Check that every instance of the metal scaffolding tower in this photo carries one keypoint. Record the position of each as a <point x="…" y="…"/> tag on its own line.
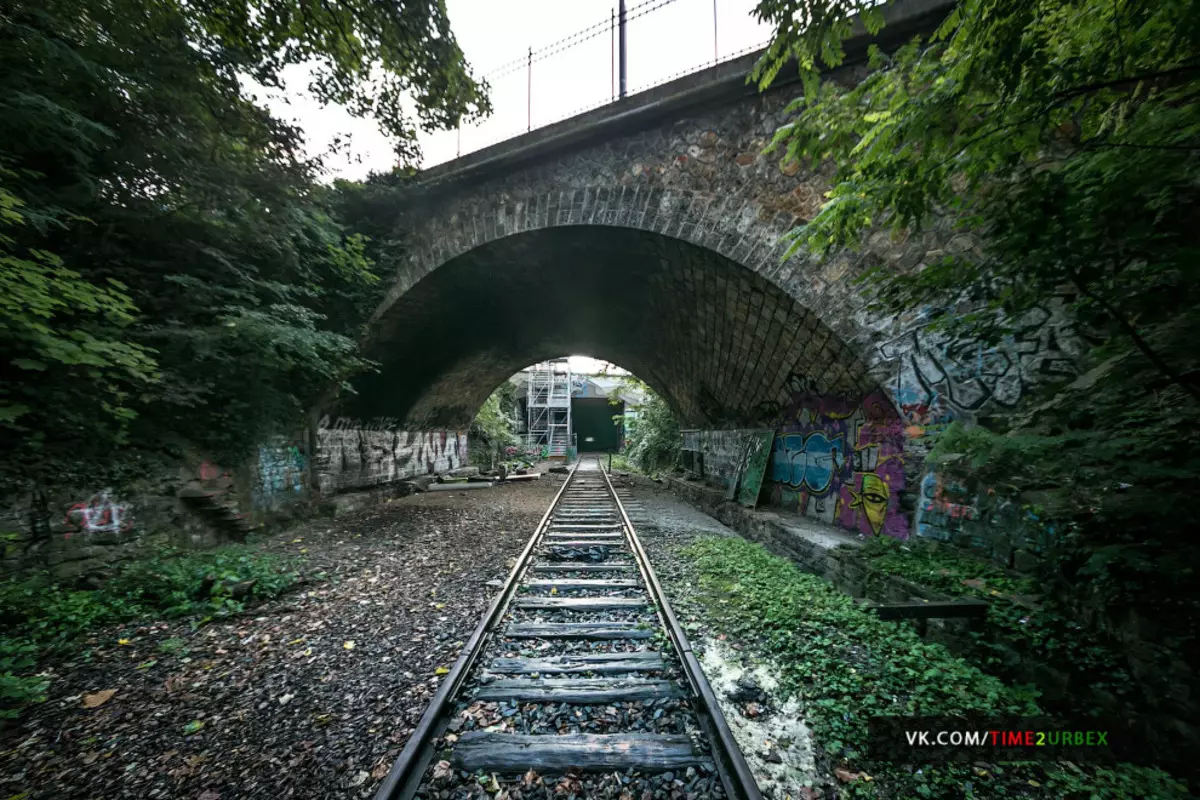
<point x="548" y="407"/>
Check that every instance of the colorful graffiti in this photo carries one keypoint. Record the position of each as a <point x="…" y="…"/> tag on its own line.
<point x="99" y="514"/>
<point x="944" y="507"/>
<point x="841" y="460"/>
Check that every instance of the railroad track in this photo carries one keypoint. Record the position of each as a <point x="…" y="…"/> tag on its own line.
<point x="578" y="681"/>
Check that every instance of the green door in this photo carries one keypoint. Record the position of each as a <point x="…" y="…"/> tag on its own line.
<point x="592" y="419"/>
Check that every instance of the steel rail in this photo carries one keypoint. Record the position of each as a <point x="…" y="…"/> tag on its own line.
<point x="405" y="776"/>
<point x="731" y="764"/>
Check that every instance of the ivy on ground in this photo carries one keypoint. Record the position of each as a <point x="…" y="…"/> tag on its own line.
<point x="41" y="618"/>
<point x="848" y="665"/>
<point x="1019" y="617"/>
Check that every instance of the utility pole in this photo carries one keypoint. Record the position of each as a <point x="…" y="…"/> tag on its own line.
<point x="529" y="92"/>
<point x="624" y="74"/>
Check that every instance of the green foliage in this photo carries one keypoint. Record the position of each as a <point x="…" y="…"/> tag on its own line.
<point x="174" y="277"/>
<point x="1019" y="618"/>
<point x="494" y="429"/>
<point x="1064" y="136"/>
<point x="41" y="618"/>
<point x="653" y="441"/>
<point x="848" y="665"/>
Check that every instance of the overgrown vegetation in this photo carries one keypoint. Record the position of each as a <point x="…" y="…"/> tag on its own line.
<point x="653" y="442"/>
<point x="1020" y="619"/>
<point x="1064" y="135"/>
<point x="493" y="432"/>
<point x="848" y="665"/>
<point x="173" y="277"/>
<point x="41" y="618"/>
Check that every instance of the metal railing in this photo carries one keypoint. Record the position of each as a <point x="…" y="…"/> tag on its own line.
<point x="506" y="91"/>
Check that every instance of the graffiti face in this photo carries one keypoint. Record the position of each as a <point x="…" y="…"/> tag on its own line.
<point x="872" y="499"/>
<point x="807" y="461"/>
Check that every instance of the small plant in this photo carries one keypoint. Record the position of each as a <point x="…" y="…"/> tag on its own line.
<point x="40" y="619"/>
<point x="848" y="665"/>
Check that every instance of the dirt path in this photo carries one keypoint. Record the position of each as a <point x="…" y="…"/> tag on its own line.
<point x="311" y="695"/>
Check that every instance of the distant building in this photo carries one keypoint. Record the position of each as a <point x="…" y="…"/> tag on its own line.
<point x="589" y="425"/>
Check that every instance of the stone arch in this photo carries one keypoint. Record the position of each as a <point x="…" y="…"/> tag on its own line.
<point x="747" y="231"/>
<point x="730" y="346"/>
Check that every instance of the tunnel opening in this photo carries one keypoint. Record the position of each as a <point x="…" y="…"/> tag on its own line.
<point x="730" y="352"/>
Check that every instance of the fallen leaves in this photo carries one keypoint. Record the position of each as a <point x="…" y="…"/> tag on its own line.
<point x="263" y="706"/>
<point x="99" y="698"/>
<point x="442" y="671"/>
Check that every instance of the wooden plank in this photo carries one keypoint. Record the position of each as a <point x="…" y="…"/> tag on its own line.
<point x="578" y="691"/>
<point x="580" y="603"/>
<point x="577" y="543"/>
<point x="590" y="752"/>
<point x="950" y="609"/>
<point x="563" y="584"/>
<point x="583" y="566"/>
<point x="603" y="663"/>
<point x="585" y="526"/>
<point x="578" y="630"/>
<point x="557" y="534"/>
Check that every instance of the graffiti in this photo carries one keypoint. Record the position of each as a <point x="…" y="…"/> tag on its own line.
<point x="280" y="474"/>
<point x="939" y="377"/>
<point x="806" y="461"/>
<point x="872" y="500"/>
<point x="842" y="461"/>
<point x="99" y="515"/>
<point x="355" y="455"/>
<point x="939" y="513"/>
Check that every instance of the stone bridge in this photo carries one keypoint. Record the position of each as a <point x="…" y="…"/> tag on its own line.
<point x="649" y="233"/>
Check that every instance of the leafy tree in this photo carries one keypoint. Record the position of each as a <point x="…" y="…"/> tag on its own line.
<point x="494" y="428"/>
<point x="175" y="279"/>
<point x="654" y="442"/>
<point x="1066" y="134"/>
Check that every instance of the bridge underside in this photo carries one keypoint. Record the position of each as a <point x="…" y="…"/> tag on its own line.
<point x="721" y="344"/>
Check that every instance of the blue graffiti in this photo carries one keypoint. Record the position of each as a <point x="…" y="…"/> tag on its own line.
<point x="807" y="461"/>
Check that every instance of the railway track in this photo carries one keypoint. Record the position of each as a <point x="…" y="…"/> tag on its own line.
<point x="578" y="681"/>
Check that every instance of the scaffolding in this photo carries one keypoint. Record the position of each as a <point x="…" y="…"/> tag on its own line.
<point x="548" y="408"/>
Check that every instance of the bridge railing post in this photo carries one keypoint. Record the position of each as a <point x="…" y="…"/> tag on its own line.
<point x="621" y="36"/>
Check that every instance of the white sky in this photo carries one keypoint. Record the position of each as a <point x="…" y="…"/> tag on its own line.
<point x="676" y="38"/>
<point x="587" y="365"/>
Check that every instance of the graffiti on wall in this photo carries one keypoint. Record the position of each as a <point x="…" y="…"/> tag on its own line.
<point x="99" y="514"/>
<point x="939" y="378"/>
<point x="280" y="475"/>
<point x="841" y="460"/>
<point x="944" y="507"/>
<point x="354" y="454"/>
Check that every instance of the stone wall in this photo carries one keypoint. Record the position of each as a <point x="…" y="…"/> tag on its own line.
<point x="72" y="532"/>
<point x="355" y="454"/>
